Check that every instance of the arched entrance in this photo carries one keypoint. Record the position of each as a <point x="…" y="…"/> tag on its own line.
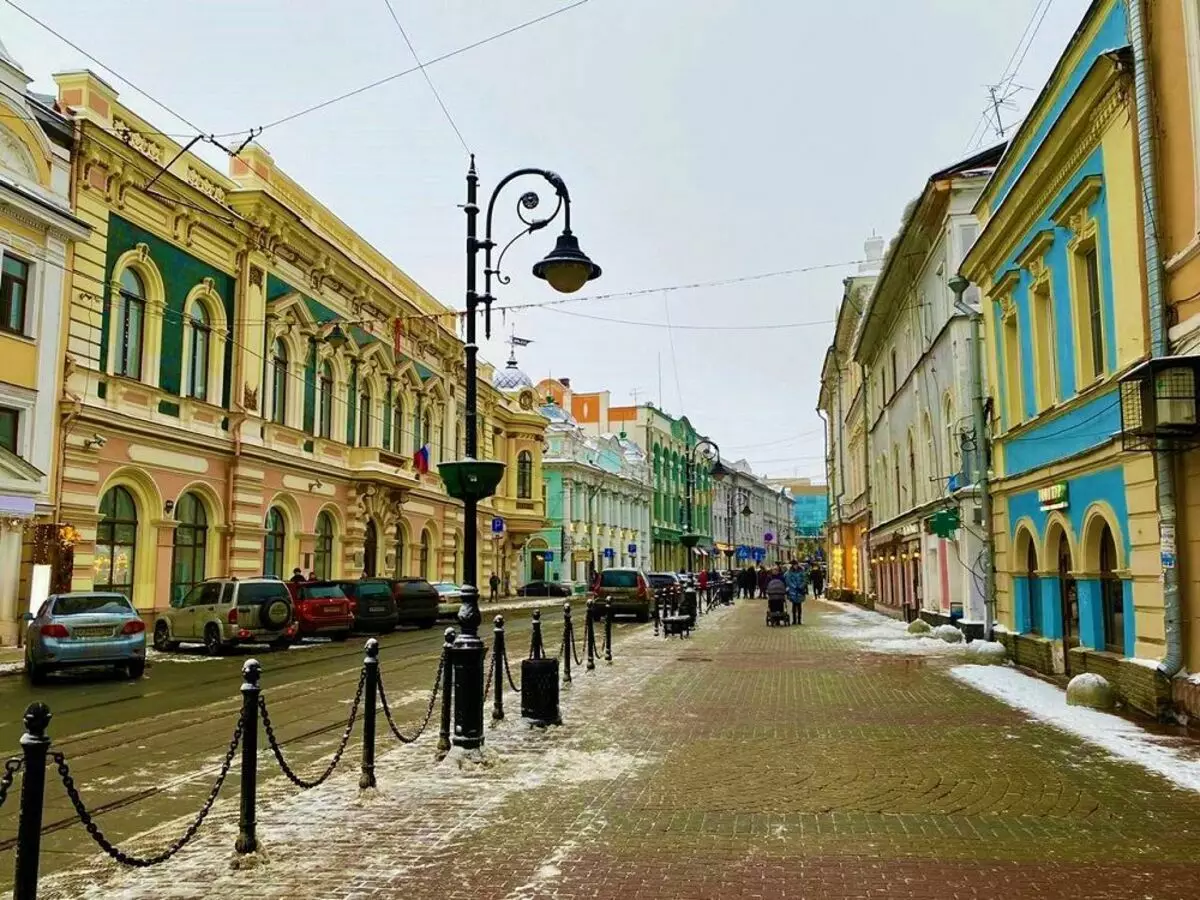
<point x="1112" y="594"/>
<point x="370" y="549"/>
<point x="1034" y="587"/>
<point x="191" y="545"/>
<point x="116" y="543"/>
<point x="1068" y="592"/>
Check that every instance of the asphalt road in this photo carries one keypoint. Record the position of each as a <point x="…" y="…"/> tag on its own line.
<point x="145" y="752"/>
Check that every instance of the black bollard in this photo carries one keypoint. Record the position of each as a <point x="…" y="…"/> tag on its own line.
<point x="657" y="615"/>
<point x="498" y="669"/>
<point x="447" y="692"/>
<point x="539" y="682"/>
<point x="608" y="631"/>
<point x="568" y="642"/>
<point x="35" y="746"/>
<point x="589" y="634"/>
<point x="247" y="840"/>
<point x="370" y="689"/>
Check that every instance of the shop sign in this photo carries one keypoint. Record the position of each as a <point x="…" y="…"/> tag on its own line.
<point x="1053" y="497"/>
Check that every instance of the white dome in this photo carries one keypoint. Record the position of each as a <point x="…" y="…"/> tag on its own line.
<point x="510" y="378"/>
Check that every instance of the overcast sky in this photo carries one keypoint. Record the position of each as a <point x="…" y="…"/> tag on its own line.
<point x="701" y="140"/>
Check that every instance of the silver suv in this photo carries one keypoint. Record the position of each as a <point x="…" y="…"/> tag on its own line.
<point x="223" y="612"/>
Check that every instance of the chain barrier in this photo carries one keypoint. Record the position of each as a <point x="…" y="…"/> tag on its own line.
<point x="12" y="766"/>
<point x="487" y="684"/>
<point x="337" y="756"/>
<point x="387" y="712"/>
<point x="508" y="672"/>
<point x="141" y="862"/>
<point x="574" y="651"/>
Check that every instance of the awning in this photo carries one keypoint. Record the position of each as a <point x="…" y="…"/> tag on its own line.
<point x="702" y="551"/>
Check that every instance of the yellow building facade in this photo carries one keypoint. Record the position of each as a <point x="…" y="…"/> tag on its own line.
<point x="36" y="233"/>
<point x="1059" y="264"/>
<point x="254" y="388"/>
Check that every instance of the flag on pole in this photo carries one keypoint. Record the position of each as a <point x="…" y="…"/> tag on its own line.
<point x="421" y="459"/>
<point x="519" y="341"/>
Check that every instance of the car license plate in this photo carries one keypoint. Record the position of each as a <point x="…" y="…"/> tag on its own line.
<point x="330" y="610"/>
<point x="94" y="631"/>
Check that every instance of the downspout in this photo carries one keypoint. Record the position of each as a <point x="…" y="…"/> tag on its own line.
<point x="1159" y="343"/>
<point x="868" y="572"/>
<point x="828" y="491"/>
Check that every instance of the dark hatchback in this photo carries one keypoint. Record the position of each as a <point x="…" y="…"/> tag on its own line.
<point x="416" y="601"/>
<point x="371" y="602"/>
<point x="667" y="588"/>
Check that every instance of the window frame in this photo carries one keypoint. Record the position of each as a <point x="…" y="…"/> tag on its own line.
<point x="325" y="384"/>
<point x="6" y="281"/>
<point x="14" y="414"/>
<point x="196" y="548"/>
<point x="279" y="381"/>
<point x="524" y="475"/>
<point x="108" y="528"/>
<point x="124" y="338"/>
<point x="201" y="337"/>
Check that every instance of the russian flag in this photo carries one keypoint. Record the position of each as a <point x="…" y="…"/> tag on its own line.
<point x="421" y="459"/>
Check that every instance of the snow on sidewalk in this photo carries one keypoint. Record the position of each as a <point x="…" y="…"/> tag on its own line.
<point x="877" y="633"/>
<point x="1120" y="737"/>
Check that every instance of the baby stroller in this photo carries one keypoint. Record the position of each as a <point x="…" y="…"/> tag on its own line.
<point x="777" y="611"/>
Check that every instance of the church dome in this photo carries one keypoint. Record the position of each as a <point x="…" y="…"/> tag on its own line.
<point x="511" y="378"/>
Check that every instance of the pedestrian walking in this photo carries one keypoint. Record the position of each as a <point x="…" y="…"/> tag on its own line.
<point x="818" y="581"/>
<point x="702" y="582"/>
<point x="494" y="584"/>
<point x="297" y="576"/>
<point x="797" y="590"/>
<point x="763" y="578"/>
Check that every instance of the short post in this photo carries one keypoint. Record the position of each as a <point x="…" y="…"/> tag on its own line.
<point x="589" y="633"/>
<point x="498" y="669"/>
<point x="608" y="631"/>
<point x="35" y="746"/>
<point x="568" y="642"/>
<point x="447" y="691"/>
<point x="539" y="682"/>
<point x="657" y="614"/>
<point x="370" y="690"/>
<point x="247" y="840"/>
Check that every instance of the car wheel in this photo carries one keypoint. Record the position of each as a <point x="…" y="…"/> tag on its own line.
<point x="136" y="669"/>
<point x="212" y="640"/>
<point x="162" y="638"/>
<point x="35" y="673"/>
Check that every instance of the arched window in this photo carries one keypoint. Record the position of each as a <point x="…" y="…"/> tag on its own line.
<point x="912" y="472"/>
<point x="1112" y="594"/>
<point x="201" y="329"/>
<point x="898" y="483"/>
<point x="116" y="543"/>
<point x="932" y="469"/>
<point x="953" y="451"/>
<point x="416" y="425"/>
<point x="325" y="414"/>
<point x="191" y="545"/>
<point x="273" y="543"/>
<point x="279" y="382"/>
<point x="364" y="418"/>
<point x="524" y="475"/>
<point x="370" y="549"/>
<point x="397" y="426"/>
<point x="427" y="430"/>
<point x="423" y="558"/>
<point x="323" y="549"/>
<point x="1034" y="587"/>
<point x="130" y="318"/>
<point x="399" y="545"/>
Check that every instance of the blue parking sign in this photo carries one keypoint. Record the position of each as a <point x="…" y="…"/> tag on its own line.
<point x="549" y="556"/>
<point x="631" y="549"/>
<point x="497" y="525"/>
<point x="609" y="553"/>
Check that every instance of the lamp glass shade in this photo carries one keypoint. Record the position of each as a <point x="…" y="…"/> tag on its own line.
<point x="566" y="268"/>
<point x="336" y="338"/>
<point x="718" y="471"/>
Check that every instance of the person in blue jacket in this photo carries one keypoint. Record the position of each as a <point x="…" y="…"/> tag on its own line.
<point x="797" y="590"/>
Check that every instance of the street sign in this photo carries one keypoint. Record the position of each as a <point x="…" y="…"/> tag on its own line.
<point x="631" y="549"/>
<point x="497" y="525"/>
<point x="609" y="553"/>
<point x="549" y="556"/>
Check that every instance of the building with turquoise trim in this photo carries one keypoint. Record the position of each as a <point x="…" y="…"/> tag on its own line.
<point x="1059" y="263"/>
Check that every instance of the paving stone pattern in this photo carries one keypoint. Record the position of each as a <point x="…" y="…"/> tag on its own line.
<point x="743" y="762"/>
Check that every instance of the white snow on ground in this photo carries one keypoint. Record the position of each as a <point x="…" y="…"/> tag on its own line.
<point x="1144" y="663"/>
<point x="878" y="633"/>
<point x="12" y="668"/>
<point x="421" y="810"/>
<point x="1048" y="704"/>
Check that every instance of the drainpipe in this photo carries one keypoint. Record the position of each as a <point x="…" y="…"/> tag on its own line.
<point x="1159" y="344"/>
<point x="865" y="562"/>
<point x="828" y="487"/>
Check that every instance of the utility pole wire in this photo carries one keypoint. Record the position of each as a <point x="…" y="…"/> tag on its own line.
<point x="429" y="81"/>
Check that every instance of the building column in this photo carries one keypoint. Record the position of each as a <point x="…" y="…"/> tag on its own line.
<point x="1091" y="613"/>
<point x="1022" y="613"/>
<point x="1052" y="620"/>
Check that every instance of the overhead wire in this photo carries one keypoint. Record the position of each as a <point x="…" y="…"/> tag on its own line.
<point x="671" y="341"/>
<point x="425" y="72"/>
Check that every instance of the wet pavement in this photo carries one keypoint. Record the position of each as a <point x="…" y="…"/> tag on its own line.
<point x="145" y="752"/>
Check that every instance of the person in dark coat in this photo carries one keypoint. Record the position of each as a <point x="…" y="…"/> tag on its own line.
<point x="818" y="580"/>
<point x="764" y="578"/>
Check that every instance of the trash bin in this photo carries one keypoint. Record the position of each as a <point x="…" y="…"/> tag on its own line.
<point x="539" y="692"/>
<point x="689" y="605"/>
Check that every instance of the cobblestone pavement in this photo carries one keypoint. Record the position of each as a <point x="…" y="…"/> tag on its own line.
<point x="744" y="762"/>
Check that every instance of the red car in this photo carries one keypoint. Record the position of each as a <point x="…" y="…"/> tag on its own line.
<point x="322" y="609"/>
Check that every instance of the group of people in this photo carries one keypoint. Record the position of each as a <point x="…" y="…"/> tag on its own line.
<point x="753" y="581"/>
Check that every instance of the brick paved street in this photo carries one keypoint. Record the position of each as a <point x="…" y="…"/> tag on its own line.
<point x="744" y="762"/>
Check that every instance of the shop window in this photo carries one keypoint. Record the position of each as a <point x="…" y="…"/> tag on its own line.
<point x="116" y="543"/>
<point x="1112" y="594"/>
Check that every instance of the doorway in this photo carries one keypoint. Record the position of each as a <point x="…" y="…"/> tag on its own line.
<point x="537" y="565"/>
<point x="370" y="548"/>
<point x="1069" y="601"/>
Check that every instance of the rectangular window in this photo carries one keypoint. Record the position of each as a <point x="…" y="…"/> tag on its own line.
<point x="1045" y="365"/>
<point x="9" y="419"/>
<point x="130" y="314"/>
<point x="14" y="290"/>
<point x="1094" y="312"/>
<point x="895" y="373"/>
<point x="1012" y="367"/>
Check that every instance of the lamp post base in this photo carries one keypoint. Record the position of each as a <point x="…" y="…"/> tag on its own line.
<point x="466" y="658"/>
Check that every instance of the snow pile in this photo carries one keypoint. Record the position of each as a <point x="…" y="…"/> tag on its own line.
<point x="880" y="634"/>
<point x="1090" y="690"/>
<point x="1044" y="702"/>
<point x="987" y="653"/>
<point x="948" y="633"/>
<point x="914" y="646"/>
<point x="12" y="668"/>
<point x="919" y="626"/>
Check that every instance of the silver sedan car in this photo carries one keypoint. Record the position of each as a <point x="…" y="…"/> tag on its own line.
<point x="85" y="629"/>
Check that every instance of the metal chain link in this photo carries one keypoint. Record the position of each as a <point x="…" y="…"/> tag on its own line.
<point x="141" y="862"/>
<point x="487" y="684"/>
<point x="574" y="651"/>
<point x="508" y="672"/>
<point x="433" y="695"/>
<point x="12" y="766"/>
<point x="337" y="756"/>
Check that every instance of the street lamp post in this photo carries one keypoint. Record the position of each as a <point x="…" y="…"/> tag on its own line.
<point x="566" y="268"/>
<point x="711" y="453"/>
